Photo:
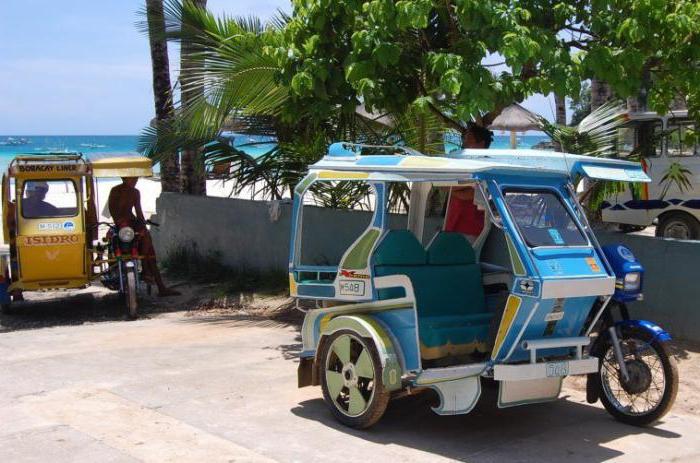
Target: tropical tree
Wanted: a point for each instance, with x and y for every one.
(193, 175)
(596, 135)
(465, 60)
(239, 74)
(162, 92)
(580, 105)
(560, 108)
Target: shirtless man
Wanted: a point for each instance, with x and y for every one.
(124, 199)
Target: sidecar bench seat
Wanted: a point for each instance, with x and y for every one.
(452, 315)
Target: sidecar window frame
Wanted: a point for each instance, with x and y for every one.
(527, 239)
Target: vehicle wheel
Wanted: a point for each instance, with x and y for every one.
(351, 379)
(678, 225)
(132, 303)
(628, 228)
(6, 308)
(652, 386)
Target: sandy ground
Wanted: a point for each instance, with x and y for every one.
(218, 383)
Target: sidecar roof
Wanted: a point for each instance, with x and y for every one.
(123, 166)
(346, 161)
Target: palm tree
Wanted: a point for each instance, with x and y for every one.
(241, 91)
(191, 166)
(162, 93)
(595, 135)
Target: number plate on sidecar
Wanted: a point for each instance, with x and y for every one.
(556, 369)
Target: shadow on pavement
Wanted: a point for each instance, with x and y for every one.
(553, 432)
(75, 307)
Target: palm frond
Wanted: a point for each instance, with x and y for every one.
(596, 134)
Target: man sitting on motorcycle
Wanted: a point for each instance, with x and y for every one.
(124, 200)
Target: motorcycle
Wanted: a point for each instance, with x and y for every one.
(122, 265)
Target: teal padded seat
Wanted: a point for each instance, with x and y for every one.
(452, 314)
(398, 253)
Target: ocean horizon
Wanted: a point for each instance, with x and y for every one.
(95, 146)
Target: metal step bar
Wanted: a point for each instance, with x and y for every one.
(533, 345)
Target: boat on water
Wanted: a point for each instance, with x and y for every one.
(92, 145)
(11, 141)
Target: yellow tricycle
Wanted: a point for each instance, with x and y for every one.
(50, 223)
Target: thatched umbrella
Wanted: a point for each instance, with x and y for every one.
(515, 118)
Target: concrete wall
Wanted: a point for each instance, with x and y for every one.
(255, 235)
(671, 282)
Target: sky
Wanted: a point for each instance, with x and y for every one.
(81, 67)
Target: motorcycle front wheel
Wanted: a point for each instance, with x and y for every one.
(652, 383)
(130, 293)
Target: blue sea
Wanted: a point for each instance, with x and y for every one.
(93, 146)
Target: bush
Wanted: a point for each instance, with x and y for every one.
(186, 261)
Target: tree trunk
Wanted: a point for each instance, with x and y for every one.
(193, 173)
(162, 91)
(560, 105)
(601, 93)
(560, 114)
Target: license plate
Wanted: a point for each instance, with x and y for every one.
(557, 369)
(352, 288)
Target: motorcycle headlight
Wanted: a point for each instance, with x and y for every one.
(632, 281)
(126, 234)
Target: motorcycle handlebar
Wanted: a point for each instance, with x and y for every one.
(108, 224)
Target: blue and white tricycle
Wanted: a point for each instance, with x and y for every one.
(411, 304)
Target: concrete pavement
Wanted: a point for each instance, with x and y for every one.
(180, 388)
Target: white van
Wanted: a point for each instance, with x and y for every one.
(664, 141)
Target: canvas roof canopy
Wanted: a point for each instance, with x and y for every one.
(123, 166)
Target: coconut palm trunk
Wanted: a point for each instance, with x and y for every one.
(560, 113)
(601, 93)
(194, 180)
(560, 106)
(162, 91)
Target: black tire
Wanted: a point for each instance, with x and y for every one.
(375, 404)
(678, 225)
(627, 228)
(670, 371)
(130, 293)
(6, 309)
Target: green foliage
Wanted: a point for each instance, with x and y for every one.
(581, 105)
(421, 63)
(188, 262)
(394, 55)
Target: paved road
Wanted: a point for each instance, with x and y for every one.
(185, 389)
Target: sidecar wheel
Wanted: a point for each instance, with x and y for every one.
(653, 385)
(6, 309)
(351, 379)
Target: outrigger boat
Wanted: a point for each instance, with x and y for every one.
(533, 299)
